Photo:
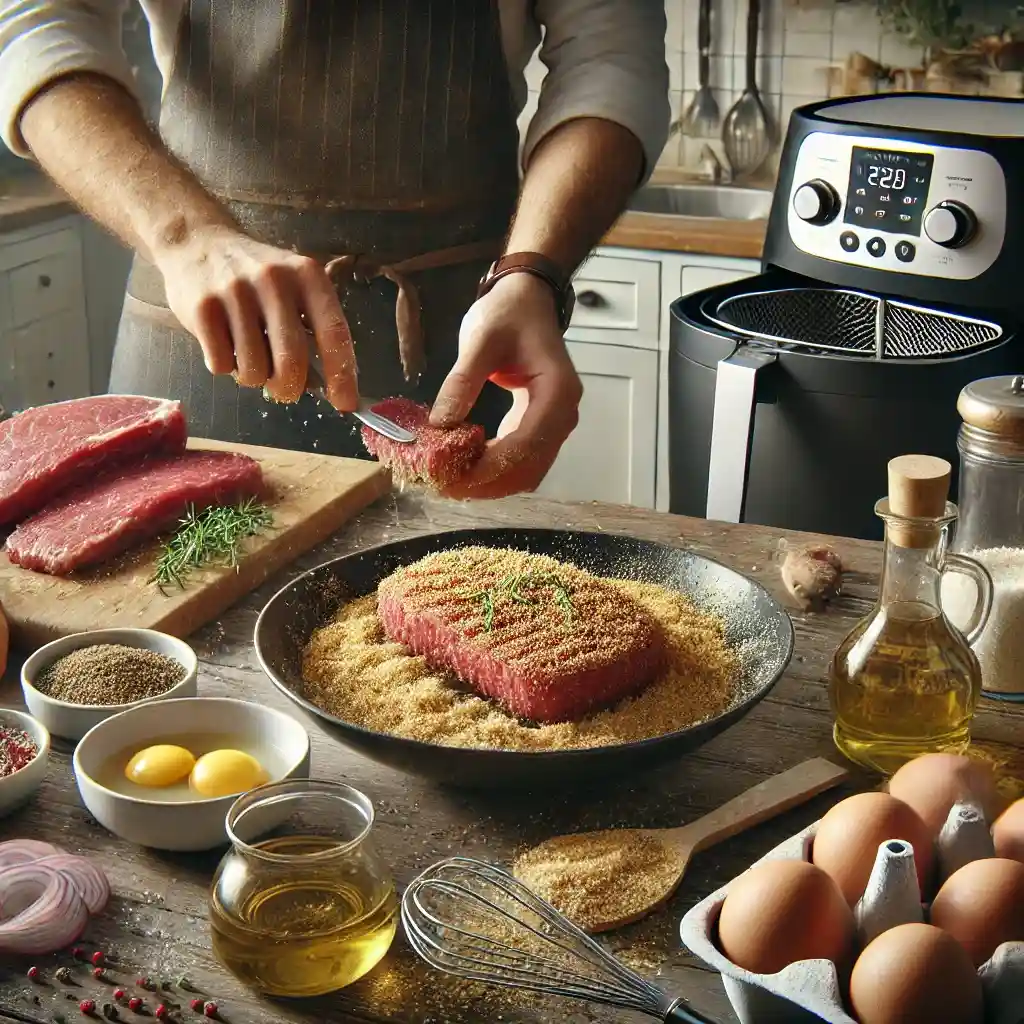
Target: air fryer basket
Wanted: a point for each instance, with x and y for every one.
(852, 322)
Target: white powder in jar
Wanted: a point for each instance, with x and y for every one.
(1000, 648)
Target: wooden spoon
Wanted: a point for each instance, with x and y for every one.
(759, 803)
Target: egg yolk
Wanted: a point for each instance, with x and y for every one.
(162, 765)
(225, 772)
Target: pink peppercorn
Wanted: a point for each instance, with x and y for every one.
(97, 957)
(135, 1004)
(32, 973)
(210, 1010)
(17, 749)
(78, 952)
(160, 1012)
(98, 972)
(119, 993)
(87, 1006)
(197, 1005)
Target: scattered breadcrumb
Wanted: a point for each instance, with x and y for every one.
(599, 878)
(354, 673)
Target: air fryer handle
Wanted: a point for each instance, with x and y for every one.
(731, 431)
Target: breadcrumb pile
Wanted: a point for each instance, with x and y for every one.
(354, 673)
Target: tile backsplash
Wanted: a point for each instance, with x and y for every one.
(799, 39)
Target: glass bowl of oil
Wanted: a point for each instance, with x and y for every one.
(302, 904)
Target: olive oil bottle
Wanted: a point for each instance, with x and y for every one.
(905, 682)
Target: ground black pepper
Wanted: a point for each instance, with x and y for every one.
(109, 674)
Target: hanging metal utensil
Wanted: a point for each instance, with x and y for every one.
(475, 921)
(748, 132)
(701, 118)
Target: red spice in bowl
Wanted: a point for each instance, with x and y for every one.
(17, 749)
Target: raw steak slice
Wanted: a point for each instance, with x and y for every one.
(545, 639)
(50, 448)
(124, 507)
(437, 457)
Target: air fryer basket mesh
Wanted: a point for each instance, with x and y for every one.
(837, 319)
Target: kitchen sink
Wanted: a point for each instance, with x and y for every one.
(726, 201)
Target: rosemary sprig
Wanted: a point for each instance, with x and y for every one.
(516, 587)
(212, 536)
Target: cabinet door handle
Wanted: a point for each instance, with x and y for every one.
(591, 299)
(44, 281)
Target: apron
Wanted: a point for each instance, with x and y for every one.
(378, 134)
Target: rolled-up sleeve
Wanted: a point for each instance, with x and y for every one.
(41, 40)
(605, 58)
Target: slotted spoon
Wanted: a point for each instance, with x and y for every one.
(748, 132)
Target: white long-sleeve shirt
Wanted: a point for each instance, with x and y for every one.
(605, 58)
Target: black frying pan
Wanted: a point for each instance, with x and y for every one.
(756, 625)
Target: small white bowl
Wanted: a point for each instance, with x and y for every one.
(73, 721)
(276, 739)
(16, 789)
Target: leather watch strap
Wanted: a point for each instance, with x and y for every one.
(538, 265)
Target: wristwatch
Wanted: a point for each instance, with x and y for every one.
(539, 266)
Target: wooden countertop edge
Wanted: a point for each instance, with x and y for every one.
(25, 210)
(699, 235)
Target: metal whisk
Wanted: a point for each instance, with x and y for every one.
(475, 921)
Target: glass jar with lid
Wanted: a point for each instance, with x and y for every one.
(991, 527)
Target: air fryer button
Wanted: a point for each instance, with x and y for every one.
(905, 252)
(849, 241)
(876, 247)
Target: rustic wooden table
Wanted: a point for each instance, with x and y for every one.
(156, 922)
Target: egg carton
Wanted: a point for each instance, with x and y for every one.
(809, 990)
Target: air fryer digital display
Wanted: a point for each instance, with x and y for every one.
(888, 190)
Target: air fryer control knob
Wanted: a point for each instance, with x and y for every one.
(816, 202)
(950, 224)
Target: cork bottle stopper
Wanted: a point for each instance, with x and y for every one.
(918, 489)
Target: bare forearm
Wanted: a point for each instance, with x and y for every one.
(578, 182)
(89, 135)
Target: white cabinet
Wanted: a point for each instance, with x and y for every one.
(44, 336)
(611, 454)
(619, 341)
(618, 301)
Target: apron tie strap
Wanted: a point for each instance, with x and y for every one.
(147, 295)
(362, 269)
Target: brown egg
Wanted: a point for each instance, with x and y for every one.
(915, 974)
(1008, 832)
(931, 784)
(782, 911)
(848, 837)
(982, 906)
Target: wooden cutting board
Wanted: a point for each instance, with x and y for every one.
(314, 495)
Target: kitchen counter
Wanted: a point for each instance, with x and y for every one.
(27, 200)
(709, 236)
(155, 924)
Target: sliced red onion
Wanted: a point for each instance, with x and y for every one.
(90, 882)
(24, 851)
(55, 917)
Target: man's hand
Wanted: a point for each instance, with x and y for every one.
(512, 337)
(245, 302)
